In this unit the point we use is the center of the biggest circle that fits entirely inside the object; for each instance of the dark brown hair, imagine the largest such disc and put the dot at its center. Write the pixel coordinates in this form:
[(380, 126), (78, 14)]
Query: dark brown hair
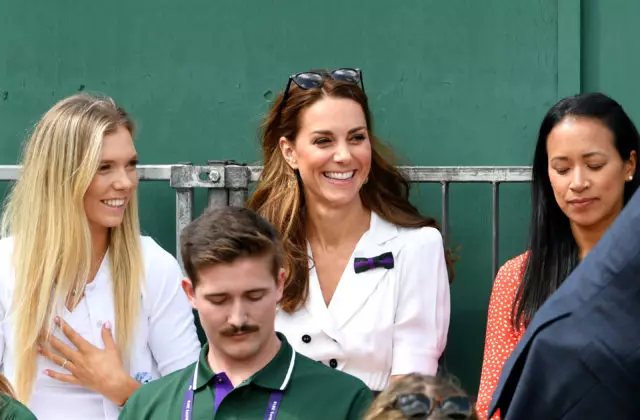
[(279, 197), (440, 387), (225, 234)]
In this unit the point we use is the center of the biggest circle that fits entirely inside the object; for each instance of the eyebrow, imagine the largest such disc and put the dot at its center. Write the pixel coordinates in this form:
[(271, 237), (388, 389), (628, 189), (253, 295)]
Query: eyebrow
[(586, 156), (214, 295), (326, 132), (259, 289), (246, 292), (134, 157)]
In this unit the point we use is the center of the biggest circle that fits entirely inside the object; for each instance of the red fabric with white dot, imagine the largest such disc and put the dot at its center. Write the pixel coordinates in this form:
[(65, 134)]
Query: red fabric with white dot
[(501, 338)]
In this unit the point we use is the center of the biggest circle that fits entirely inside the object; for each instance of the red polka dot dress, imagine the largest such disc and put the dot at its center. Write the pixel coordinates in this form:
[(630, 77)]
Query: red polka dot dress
[(501, 338)]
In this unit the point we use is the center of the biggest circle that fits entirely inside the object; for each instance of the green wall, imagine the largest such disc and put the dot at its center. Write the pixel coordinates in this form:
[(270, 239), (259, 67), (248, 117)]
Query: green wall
[(451, 82)]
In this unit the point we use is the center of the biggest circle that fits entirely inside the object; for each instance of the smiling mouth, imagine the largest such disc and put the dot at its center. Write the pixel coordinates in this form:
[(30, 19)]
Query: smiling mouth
[(339, 176), (113, 203)]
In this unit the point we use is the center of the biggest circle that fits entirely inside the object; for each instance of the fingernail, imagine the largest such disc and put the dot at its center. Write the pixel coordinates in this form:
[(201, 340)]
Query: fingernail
[(107, 325), (46, 372), (57, 320)]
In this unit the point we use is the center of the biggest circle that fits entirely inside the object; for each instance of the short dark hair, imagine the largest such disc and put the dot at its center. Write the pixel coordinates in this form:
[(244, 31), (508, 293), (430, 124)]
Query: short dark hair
[(222, 235)]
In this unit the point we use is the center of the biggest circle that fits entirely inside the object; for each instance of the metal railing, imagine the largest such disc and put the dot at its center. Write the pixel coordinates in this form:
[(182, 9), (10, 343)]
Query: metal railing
[(227, 183)]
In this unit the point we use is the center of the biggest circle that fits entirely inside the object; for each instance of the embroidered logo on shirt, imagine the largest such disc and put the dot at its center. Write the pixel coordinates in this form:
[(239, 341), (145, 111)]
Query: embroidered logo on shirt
[(143, 377)]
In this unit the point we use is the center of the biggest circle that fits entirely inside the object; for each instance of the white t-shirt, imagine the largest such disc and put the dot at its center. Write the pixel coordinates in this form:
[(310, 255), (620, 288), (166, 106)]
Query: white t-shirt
[(383, 321), (165, 340)]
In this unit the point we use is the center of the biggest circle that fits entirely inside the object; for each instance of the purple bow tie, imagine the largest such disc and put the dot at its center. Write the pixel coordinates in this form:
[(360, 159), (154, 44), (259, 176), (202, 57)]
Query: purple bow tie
[(385, 260)]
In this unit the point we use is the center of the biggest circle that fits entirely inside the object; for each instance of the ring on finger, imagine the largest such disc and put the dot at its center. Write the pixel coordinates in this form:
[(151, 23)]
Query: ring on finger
[(64, 363)]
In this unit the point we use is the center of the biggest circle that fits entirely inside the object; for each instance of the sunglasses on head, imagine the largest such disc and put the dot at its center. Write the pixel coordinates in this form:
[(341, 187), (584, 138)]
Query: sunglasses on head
[(419, 406), (314, 79)]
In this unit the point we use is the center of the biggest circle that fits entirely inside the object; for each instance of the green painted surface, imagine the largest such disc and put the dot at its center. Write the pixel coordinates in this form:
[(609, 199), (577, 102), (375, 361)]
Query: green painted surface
[(450, 83), (611, 58)]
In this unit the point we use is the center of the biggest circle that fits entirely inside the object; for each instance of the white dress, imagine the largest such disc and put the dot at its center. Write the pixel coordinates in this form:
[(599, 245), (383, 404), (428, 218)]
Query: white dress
[(380, 322), (165, 340)]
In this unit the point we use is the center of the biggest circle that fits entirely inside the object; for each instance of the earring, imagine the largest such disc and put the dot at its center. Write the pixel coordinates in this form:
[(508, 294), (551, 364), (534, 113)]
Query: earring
[(292, 179), (630, 177), (366, 179)]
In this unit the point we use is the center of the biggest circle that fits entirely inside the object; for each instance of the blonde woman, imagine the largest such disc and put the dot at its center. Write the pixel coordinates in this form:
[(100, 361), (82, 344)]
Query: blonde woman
[(10, 409), (90, 308)]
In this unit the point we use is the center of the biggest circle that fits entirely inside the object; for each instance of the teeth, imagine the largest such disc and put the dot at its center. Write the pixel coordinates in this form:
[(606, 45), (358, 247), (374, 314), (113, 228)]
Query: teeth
[(114, 203), (339, 175)]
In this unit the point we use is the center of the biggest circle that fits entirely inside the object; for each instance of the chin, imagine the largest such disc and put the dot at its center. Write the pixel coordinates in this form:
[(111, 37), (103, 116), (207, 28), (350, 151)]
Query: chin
[(342, 199), (243, 352), (113, 223), (586, 221)]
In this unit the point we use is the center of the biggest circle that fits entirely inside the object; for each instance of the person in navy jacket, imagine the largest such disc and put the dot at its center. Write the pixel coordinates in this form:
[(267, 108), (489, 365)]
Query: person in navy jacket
[(580, 356)]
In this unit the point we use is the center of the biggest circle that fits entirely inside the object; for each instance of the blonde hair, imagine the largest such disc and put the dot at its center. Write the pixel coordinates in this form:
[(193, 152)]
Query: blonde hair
[(52, 240), (383, 408)]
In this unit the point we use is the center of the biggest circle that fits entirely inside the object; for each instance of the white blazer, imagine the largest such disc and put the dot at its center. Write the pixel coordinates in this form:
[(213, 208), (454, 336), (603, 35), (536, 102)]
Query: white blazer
[(380, 322), (165, 339)]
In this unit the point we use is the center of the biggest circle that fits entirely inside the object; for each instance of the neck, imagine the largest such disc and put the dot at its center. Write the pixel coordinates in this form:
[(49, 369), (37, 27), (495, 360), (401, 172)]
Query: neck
[(99, 245), (329, 227), (588, 237), (239, 370)]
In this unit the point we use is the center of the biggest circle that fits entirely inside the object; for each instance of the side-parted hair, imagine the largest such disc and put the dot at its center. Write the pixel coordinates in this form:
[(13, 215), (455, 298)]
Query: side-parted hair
[(222, 235), (553, 251), (52, 245), (383, 408), (279, 194)]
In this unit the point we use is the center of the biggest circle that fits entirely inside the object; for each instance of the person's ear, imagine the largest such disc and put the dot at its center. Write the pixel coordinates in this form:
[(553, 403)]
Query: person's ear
[(288, 152), (190, 291)]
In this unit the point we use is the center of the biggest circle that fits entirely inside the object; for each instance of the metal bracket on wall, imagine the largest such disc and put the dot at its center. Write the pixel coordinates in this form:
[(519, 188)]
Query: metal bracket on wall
[(238, 177)]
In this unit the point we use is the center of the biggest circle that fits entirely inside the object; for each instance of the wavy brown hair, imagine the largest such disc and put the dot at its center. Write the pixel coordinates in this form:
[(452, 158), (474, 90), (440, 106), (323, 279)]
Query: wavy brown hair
[(279, 195), (383, 408)]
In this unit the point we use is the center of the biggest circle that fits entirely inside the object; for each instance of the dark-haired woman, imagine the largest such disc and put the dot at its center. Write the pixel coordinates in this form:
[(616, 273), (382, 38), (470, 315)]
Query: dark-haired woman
[(366, 290), (584, 171)]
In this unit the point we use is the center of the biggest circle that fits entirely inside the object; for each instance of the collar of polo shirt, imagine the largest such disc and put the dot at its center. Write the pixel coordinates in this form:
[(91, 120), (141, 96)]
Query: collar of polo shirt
[(275, 375)]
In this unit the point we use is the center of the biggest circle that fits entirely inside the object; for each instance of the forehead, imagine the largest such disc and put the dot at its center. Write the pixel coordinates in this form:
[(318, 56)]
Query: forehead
[(118, 144), (333, 114), (579, 135), (237, 277)]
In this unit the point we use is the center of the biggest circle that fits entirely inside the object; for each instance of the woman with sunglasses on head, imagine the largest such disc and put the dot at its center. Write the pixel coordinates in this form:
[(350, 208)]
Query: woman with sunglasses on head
[(584, 172), (90, 308), (421, 397), (10, 408), (366, 288)]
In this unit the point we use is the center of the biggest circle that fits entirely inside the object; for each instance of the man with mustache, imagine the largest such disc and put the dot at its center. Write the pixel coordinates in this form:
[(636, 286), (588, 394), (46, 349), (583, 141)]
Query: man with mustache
[(233, 260)]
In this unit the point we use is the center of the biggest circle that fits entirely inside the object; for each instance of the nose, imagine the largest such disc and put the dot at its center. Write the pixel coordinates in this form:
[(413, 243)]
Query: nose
[(579, 180), (342, 153), (125, 180), (238, 314)]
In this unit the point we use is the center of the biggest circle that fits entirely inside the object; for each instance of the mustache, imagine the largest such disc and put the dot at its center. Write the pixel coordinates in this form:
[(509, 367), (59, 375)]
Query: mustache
[(232, 330)]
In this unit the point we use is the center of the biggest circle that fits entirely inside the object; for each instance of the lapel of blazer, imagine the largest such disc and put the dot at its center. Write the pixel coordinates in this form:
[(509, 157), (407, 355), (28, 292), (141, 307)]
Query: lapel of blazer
[(355, 288), (315, 303)]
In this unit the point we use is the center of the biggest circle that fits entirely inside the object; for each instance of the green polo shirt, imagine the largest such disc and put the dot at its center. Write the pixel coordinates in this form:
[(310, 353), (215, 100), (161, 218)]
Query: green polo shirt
[(311, 391), (11, 409)]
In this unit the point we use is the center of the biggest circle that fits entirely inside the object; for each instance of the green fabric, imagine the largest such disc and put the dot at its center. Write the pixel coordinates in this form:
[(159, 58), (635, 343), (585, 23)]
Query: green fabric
[(314, 391), (11, 409)]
